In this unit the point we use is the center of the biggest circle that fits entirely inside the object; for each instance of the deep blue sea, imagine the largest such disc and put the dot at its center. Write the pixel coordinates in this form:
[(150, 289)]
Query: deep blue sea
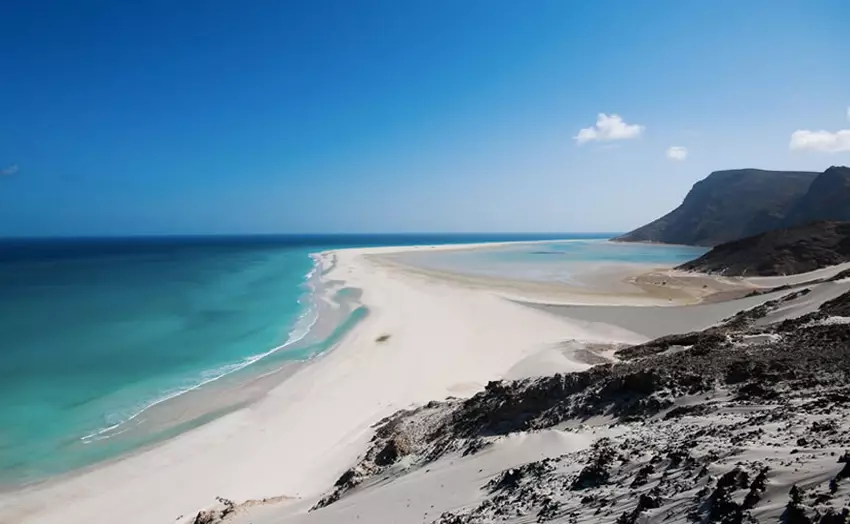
[(97, 333)]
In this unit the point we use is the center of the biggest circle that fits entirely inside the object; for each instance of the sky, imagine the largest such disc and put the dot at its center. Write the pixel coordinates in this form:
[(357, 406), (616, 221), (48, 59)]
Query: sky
[(345, 116)]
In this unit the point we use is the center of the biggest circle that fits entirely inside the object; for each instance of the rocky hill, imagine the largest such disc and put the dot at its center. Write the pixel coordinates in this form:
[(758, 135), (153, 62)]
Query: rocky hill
[(744, 422), (828, 198), (729, 205), (779, 252)]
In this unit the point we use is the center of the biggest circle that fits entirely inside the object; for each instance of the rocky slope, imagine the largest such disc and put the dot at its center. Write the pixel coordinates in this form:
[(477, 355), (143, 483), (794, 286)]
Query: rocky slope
[(729, 205), (828, 198), (741, 422), (779, 252)]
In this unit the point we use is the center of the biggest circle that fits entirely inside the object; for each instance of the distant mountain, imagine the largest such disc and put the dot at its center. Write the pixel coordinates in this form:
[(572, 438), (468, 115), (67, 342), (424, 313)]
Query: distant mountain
[(828, 198), (779, 252), (728, 205)]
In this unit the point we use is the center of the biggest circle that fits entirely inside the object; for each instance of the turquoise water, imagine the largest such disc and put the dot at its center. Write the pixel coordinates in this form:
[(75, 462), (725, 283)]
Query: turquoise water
[(558, 261), (113, 344), (92, 338), (100, 334)]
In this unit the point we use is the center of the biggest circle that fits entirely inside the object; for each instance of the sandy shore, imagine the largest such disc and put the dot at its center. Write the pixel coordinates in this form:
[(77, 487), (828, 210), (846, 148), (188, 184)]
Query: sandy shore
[(428, 336), (444, 340)]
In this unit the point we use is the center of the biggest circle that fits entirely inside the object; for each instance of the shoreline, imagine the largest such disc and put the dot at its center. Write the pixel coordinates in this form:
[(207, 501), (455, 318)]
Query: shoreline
[(93, 494), (203, 398), (170, 416), (444, 339)]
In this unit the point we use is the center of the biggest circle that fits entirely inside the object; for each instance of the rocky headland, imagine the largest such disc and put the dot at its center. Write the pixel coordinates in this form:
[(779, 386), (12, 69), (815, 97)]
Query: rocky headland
[(735, 204)]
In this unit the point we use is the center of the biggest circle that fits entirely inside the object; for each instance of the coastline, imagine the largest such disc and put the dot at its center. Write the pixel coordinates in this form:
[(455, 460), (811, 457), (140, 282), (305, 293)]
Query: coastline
[(218, 389), (447, 336), (325, 310)]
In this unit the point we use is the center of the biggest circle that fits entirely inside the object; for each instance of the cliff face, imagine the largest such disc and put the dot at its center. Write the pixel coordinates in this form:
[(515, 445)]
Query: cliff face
[(828, 198), (779, 252), (729, 205)]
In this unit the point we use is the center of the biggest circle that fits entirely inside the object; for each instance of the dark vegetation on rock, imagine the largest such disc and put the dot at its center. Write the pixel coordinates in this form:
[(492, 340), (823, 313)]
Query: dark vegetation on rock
[(730, 205)]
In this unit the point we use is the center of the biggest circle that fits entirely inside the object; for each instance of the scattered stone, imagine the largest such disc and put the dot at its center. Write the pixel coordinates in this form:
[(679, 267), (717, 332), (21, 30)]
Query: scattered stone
[(685, 407)]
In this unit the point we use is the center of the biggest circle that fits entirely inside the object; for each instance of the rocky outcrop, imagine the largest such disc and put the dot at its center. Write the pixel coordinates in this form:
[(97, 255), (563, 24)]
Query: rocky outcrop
[(225, 508), (779, 252), (709, 428), (730, 205)]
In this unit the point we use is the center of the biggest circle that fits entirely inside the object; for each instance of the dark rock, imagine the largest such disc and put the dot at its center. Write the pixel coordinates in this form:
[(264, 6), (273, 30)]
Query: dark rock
[(648, 502), (642, 475), (206, 517), (391, 452), (840, 276), (509, 480), (757, 488), (794, 511), (779, 252), (838, 307), (214, 516), (548, 510), (833, 517), (698, 338), (645, 502), (828, 198), (845, 472), (733, 480), (755, 390), (595, 473), (728, 205)]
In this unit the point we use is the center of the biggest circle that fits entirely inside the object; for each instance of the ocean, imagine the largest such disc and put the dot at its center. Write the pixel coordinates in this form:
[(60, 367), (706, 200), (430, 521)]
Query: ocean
[(106, 340)]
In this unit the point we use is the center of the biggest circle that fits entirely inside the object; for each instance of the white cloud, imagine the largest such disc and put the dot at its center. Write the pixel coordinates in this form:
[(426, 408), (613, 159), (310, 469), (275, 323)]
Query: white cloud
[(677, 153), (822, 141), (607, 128), (9, 170)]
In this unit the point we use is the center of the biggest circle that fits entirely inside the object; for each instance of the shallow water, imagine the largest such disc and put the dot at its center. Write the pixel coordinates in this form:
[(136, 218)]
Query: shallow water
[(565, 262)]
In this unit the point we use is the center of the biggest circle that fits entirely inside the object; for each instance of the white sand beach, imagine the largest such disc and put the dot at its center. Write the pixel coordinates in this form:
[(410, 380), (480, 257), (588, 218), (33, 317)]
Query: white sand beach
[(444, 339), (427, 337)]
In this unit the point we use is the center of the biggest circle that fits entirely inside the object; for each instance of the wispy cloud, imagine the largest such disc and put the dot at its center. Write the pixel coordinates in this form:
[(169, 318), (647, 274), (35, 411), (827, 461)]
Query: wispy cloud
[(608, 128), (677, 153), (10, 170), (821, 141)]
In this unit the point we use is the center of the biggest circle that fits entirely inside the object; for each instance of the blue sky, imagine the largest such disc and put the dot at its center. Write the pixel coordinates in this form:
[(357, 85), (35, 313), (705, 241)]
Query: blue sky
[(164, 117)]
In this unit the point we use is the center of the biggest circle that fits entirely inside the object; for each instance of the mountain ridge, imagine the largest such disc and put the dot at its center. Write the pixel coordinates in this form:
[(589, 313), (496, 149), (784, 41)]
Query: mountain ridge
[(732, 204)]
